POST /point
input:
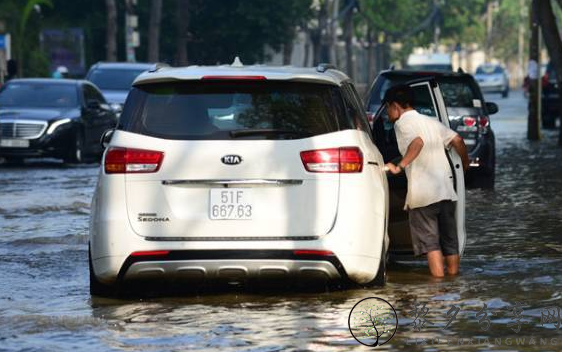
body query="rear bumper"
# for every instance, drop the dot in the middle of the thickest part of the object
(201, 266)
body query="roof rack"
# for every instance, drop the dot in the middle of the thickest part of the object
(323, 67)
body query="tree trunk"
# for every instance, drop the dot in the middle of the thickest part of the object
(182, 18)
(287, 52)
(553, 44)
(533, 130)
(111, 38)
(154, 31)
(348, 35)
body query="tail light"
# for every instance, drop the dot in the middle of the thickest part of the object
(128, 161)
(483, 123)
(334, 160)
(469, 121)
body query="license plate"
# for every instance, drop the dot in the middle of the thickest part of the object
(469, 141)
(14, 143)
(231, 204)
(466, 128)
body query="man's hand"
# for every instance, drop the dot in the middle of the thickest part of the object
(395, 170)
(458, 144)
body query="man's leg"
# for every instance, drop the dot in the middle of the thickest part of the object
(453, 262)
(448, 237)
(424, 229)
(435, 263)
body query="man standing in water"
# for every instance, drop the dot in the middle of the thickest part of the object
(431, 195)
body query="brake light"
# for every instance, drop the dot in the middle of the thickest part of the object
(484, 121)
(150, 253)
(334, 160)
(469, 121)
(128, 161)
(238, 78)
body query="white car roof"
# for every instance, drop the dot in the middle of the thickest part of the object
(279, 73)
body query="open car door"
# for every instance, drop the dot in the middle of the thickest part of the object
(428, 101)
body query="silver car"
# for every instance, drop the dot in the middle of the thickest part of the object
(492, 79)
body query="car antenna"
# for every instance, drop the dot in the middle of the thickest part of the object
(460, 70)
(237, 62)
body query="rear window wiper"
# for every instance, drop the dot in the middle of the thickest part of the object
(267, 132)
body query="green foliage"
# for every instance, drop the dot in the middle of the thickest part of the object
(224, 29)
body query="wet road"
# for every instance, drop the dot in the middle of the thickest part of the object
(513, 254)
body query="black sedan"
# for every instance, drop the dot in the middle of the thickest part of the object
(58, 118)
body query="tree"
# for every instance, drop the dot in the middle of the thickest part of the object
(551, 36)
(154, 31)
(111, 34)
(182, 26)
(222, 30)
(30, 6)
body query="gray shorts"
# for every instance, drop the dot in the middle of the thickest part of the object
(434, 227)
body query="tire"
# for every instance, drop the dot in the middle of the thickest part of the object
(98, 288)
(505, 93)
(76, 153)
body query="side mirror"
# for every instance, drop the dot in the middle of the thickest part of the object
(93, 105)
(106, 138)
(492, 108)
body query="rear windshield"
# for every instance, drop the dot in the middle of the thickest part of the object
(39, 95)
(198, 110)
(488, 70)
(114, 79)
(458, 92)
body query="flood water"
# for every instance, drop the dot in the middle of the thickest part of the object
(513, 254)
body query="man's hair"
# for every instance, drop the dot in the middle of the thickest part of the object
(401, 94)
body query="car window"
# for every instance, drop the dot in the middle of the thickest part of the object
(457, 91)
(90, 93)
(39, 95)
(489, 70)
(114, 79)
(458, 94)
(354, 108)
(195, 110)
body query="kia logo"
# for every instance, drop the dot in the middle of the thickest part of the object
(231, 159)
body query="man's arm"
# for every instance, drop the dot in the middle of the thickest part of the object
(458, 144)
(412, 153)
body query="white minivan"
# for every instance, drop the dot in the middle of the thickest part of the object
(240, 173)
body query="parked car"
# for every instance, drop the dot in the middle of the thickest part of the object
(58, 118)
(492, 79)
(115, 79)
(240, 173)
(550, 98)
(468, 115)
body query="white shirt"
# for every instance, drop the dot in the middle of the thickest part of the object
(430, 177)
